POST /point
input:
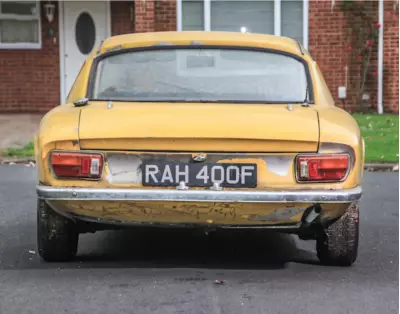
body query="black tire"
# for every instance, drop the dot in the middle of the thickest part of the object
(338, 245)
(57, 236)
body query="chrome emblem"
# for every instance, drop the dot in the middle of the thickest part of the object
(199, 157)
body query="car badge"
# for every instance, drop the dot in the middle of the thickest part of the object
(199, 157)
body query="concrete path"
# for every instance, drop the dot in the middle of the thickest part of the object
(16, 130)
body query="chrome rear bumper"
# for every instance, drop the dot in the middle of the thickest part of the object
(279, 196)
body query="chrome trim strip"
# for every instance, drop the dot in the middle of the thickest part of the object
(302, 196)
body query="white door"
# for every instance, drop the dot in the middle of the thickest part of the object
(86, 24)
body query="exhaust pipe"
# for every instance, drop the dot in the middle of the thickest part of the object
(310, 222)
(311, 215)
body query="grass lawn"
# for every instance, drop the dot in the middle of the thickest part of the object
(26, 151)
(381, 135)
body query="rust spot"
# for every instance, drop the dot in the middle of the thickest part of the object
(278, 215)
(75, 142)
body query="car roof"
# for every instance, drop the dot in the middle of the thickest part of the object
(206, 38)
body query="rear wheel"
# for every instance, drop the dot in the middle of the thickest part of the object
(57, 236)
(338, 244)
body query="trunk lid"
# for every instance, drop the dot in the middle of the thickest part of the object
(198, 127)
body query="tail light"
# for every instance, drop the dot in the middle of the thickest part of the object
(77, 165)
(311, 168)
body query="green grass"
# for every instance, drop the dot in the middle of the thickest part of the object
(26, 151)
(381, 135)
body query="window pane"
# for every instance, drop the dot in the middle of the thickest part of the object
(192, 15)
(27, 8)
(251, 16)
(292, 19)
(13, 31)
(191, 75)
(85, 33)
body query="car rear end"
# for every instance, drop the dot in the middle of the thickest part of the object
(209, 136)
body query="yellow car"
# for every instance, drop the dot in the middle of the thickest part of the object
(203, 130)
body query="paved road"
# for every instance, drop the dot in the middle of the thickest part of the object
(173, 271)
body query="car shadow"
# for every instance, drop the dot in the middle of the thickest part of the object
(169, 248)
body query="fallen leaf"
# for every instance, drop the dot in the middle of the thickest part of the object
(219, 282)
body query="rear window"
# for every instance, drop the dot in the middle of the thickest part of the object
(200, 75)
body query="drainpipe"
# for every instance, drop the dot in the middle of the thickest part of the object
(380, 60)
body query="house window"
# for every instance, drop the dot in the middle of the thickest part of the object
(20, 24)
(193, 15)
(277, 17)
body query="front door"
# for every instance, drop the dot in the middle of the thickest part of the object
(86, 24)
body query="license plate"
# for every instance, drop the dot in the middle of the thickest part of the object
(199, 174)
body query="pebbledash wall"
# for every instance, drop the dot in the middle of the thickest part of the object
(30, 79)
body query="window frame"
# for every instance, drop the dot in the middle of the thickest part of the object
(277, 17)
(16, 17)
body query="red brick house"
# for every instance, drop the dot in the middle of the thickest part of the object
(43, 43)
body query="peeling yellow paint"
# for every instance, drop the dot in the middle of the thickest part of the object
(197, 213)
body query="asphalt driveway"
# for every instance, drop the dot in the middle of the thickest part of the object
(173, 271)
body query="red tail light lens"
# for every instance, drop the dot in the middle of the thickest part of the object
(322, 167)
(77, 165)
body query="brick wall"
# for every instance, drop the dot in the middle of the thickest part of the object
(156, 16)
(144, 16)
(328, 43)
(325, 43)
(29, 79)
(122, 17)
(391, 57)
(165, 15)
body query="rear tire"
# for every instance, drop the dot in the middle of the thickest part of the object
(57, 236)
(338, 244)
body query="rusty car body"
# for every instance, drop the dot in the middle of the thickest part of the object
(200, 129)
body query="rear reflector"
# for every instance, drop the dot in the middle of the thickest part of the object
(77, 165)
(322, 167)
